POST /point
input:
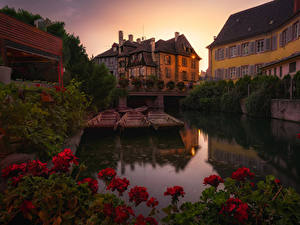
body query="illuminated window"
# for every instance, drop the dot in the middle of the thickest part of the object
(167, 60)
(193, 64)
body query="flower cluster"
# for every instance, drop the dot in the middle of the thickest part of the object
(107, 174)
(141, 220)
(138, 195)
(277, 181)
(175, 192)
(27, 207)
(152, 202)
(213, 180)
(242, 173)
(298, 135)
(118, 184)
(122, 214)
(236, 208)
(63, 160)
(92, 183)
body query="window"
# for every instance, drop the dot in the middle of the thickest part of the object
(270, 72)
(193, 76)
(220, 53)
(232, 72)
(122, 64)
(167, 59)
(184, 62)
(275, 71)
(284, 37)
(257, 68)
(232, 51)
(245, 70)
(295, 30)
(184, 75)
(140, 57)
(168, 74)
(292, 67)
(260, 45)
(245, 48)
(193, 64)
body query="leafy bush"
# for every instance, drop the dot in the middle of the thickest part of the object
(123, 82)
(230, 102)
(160, 84)
(137, 83)
(39, 118)
(297, 84)
(259, 104)
(170, 85)
(149, 83)
(40, 195)
(180, 85)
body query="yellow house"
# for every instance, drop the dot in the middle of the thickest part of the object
(255, 37)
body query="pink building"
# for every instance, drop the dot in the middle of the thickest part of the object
(280, 68)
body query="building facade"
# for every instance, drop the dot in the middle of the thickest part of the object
(171, 60)
(253, 38)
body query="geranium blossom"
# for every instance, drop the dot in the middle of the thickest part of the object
(141, 220)
(175, 192)
(122, 214)
(107, 174)
(242, 173)
(236, 208)
(27, 207)
(213, 180)
(138, 195)
(92, 183)
(63, 161)
(277, 181)
(152, 202)
(108, 210)
(118, 184)
(298, 135)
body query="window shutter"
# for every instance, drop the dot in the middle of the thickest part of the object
(239, 50)
(252, 47)
(216, 54)
(289, 34)
(281, 40)
(298, 28)
(252, 70)
(268, 44)
(238, 72)
(274, 43)
(227, 53)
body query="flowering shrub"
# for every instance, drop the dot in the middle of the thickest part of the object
(37, 194)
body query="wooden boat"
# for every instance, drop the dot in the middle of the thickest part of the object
(133, 119)
(159, 119)
(105, 119)
(141, 109)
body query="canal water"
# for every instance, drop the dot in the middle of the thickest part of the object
(208, 144)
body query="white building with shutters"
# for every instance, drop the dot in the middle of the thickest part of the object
(255, 37)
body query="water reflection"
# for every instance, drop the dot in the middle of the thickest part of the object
(207, 144)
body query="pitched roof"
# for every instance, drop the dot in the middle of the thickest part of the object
(254, 21)
(292, 56)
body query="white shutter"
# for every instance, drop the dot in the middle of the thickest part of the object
(252, 47)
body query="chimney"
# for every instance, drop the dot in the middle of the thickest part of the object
(296, 6)
(130, 37)
(138, 40)
(176, 36)
(120, 38)
(152, 43)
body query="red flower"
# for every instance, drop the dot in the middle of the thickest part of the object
(107, 174)
(26, 207)
(122, 214)
(298, 135)
(13, 170)
(252, 184)
(37, 85)
(63, 160)
(213, 180)
(118, 184)
(141, 220)
(175, 192)
(57, 88)
(277, 181)
(138, 195)
(242, 173)
(236, 208)
(92, 183)
(16, 180)
(152, 202)
(108, 210)
(37, 168)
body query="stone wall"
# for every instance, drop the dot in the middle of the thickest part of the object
(285, 109)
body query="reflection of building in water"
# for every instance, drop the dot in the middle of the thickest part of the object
(230, 153)
(164, 148)
(190, 138)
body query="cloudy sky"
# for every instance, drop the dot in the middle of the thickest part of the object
(97, 22)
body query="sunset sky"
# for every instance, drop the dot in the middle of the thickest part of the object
(97, 22)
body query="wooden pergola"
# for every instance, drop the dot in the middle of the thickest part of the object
(23, 43)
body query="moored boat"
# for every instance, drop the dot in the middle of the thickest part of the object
(133, 119)
(105, 119)
(159, 119)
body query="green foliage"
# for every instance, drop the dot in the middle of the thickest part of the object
(136, 82)
(149, 83)
(123, 82)
(160, 84)
(170, 85)
(38, 125)
(268, 203)
(180, 85)
(259, 103)
(230, 102)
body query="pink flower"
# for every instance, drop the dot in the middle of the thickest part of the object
(213, 180)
